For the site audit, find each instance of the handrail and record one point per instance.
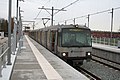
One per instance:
(3, 55)
(106, 41)
(4, 52)
(4, 48)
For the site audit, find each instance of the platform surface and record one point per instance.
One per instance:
(106, 47)
(37, 63)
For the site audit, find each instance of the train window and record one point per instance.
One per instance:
(76, 38)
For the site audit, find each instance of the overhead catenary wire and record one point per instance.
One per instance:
(59, 9)
(66, 6)
(99, 12)
(116, 8)
(41, 10)
(38, 14)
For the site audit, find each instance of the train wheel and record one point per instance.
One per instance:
(78, 62)
(81, 62)
(70, 62)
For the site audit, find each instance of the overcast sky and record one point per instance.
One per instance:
(82, 7)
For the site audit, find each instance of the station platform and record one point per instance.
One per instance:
(37, 63)
(106, 47)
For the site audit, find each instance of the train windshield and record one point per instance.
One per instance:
(76, 37)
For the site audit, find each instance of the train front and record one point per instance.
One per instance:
(76, 44)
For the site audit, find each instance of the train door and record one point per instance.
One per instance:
(40, 37)
(52, 40)
(37, 36)
(56, 42)
(45, 39)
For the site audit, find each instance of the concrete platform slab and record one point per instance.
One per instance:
(37, 63)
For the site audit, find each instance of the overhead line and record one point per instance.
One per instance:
(38, 14)
(66, 6)
(100, 12)
(41, 10)
(117, 8)
(92, 14)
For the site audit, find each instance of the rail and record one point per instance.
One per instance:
(103, 61)
(3, 56)
(92, 76)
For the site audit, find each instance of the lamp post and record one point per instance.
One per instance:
(111, 25)
(17, 17)
(88, 20)
(9, 34)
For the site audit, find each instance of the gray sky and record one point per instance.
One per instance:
(82, 7)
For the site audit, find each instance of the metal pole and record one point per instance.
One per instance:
(9, 34)
(88, 19)
(17, 11)
(74, 21)
(33, 25)
(52, 17)
(15, 26)
(17, 23)
(19, 32)
(65, 22)
(111, 25)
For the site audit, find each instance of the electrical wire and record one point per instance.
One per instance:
(66, 6)
(38, 14)
(41, 10)
(117, 8)
(92, 14)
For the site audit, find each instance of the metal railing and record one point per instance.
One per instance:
(3, 56)
(15, 39)
(106, 41)
(3, 53)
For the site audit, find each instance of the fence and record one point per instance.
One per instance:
(15, 38)
(106, 41)
(3, 56)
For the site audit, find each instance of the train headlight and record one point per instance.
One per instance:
(88, 56)
(65, 54)
(88, 53)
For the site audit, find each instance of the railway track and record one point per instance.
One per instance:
(93, 75)
(106, 62)
(89, 74)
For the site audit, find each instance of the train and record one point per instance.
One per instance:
(72, 43)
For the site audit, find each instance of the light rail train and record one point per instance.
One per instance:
(72, 43)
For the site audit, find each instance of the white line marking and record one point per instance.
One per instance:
(48, 70)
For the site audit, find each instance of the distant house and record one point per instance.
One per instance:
(1, 24)
(4, 26)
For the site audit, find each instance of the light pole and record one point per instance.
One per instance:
(17, 18)
(111, 25)
(74, 21)
(88, 19)
(9, 34)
